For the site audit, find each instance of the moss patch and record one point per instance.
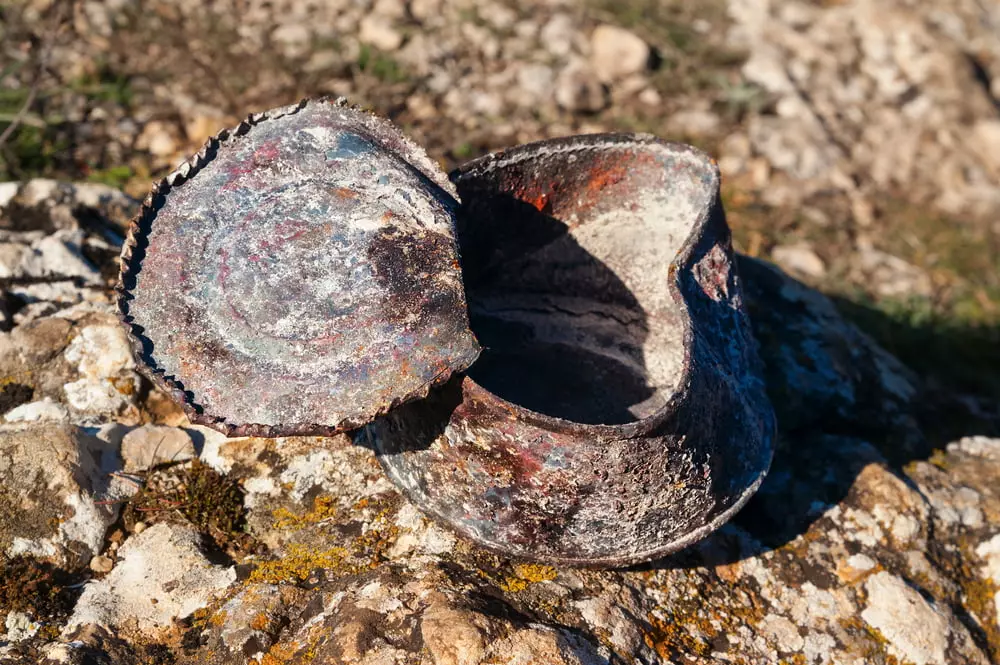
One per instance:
(197, 493)
(36, 588)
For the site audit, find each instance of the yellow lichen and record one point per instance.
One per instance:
(260, 622)
(324, 507)
(939, 458)
(279, 654)
(297, 564)
(526, 574)
(218, 619)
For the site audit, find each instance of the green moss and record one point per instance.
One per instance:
(106, 85)
(116, 176)
(210, 501)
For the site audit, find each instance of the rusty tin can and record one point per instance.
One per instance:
(582, 388)
(617, 412)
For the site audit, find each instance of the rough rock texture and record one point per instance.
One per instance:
(877, 95)
(49, 477)
(849, 553)
(149, 445)
(875, 538)
(161, 575)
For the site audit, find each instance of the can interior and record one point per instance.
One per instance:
(566, 257)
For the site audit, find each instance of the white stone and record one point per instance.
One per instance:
(380, 33)
(158, 139)
(100, 351)
(558, 34)
(783, 632)
(101, 564)
(161, 575)
(577, 89)
(43, 409)
(294, 38)
(916, 631)
(891, 276)
(59, 255)
(535, 82)
(977, 446)
(11, 257)
(8, 190)
(616, 53)
(20, 627)
(95, 396)
(149, 445)
(799, 258)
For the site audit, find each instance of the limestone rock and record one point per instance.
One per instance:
(799, 259)
(879, 95)
(161, 575)
(378, 32)
(577, 89)
(149, 445)
(616, 53)
(51, 479)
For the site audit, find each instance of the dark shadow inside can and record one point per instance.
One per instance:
(566, 279)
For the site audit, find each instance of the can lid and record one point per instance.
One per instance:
(299, 275)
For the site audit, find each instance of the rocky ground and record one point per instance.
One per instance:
(859, 143)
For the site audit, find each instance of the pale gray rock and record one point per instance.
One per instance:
(891, 276)
(534, 84)
(57, 494)
(577, 88)
(162, 575)
(799, 258)
(294, 38)
(149, 445)
(916, 631)
(558, 35)
(616, 53)
(19, 627)
(45, 409)
(379, 32)
(876, 96)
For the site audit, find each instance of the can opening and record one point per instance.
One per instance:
(567, 277)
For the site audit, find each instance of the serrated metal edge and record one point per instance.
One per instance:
(131, 266)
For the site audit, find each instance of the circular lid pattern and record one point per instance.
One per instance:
(300, 275)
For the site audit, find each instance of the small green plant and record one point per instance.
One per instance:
(116, 176)
(210, 501)
(380, 65)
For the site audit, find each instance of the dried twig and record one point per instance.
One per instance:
(47, 42)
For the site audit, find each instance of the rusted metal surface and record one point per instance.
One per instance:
(617, 412)
(299, 275)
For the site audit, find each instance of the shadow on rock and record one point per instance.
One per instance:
(842, 402)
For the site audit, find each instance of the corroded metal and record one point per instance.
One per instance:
(617, 412)
(299, 275)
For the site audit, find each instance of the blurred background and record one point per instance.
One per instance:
(859, 140)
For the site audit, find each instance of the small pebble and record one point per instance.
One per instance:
(101, 564)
